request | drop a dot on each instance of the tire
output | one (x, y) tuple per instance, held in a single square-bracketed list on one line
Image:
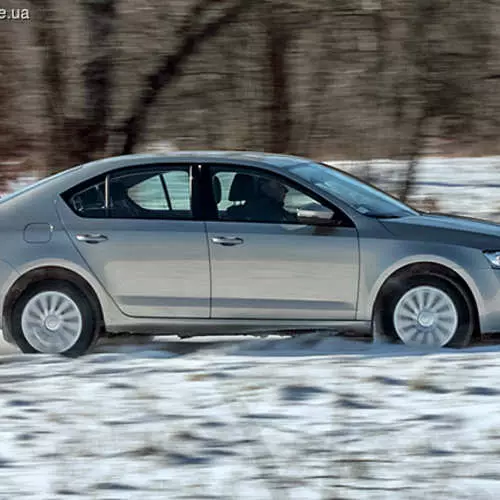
[(428, 311), (71, 330)]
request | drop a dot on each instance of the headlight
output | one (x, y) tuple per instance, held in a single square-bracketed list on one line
[(493, 257)]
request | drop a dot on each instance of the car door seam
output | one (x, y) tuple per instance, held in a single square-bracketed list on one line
[(209, 270)]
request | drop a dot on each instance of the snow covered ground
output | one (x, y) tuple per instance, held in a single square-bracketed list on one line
[(310, 417)]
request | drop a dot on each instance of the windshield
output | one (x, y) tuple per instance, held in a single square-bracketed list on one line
[(363, 197)]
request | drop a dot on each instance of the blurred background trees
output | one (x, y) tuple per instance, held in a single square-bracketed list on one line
[(331, 79)]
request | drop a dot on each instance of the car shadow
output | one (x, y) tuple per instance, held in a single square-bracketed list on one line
[(300, 345)]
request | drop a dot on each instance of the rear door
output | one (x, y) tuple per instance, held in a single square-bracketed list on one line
[(143, 244)]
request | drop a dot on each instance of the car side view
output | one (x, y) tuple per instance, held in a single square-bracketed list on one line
[(235, 242)]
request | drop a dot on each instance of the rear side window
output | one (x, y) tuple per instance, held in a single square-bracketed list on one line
[(158, 194), (139, 193), (90, 201), (179, 189), (149, 194)]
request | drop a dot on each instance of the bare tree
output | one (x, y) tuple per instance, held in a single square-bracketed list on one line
[(75, 140), (331, 79), (192, 35)]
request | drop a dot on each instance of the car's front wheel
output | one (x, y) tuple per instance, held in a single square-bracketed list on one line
[(429, 311), (54, 317)]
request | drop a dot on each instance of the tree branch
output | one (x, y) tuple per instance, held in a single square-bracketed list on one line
[(170, 66)]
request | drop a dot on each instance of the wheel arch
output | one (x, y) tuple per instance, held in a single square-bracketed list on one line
[(398, 276), (40, 274)]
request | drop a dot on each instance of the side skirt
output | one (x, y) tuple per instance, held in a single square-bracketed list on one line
[(195, 327)]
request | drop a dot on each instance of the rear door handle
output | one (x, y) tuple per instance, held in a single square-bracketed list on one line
[(91, 238), (227, 241)]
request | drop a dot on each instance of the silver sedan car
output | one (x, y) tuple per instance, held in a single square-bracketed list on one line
[(235, 242)]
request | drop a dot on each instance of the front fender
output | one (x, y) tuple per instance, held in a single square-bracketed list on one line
[(366, 304)]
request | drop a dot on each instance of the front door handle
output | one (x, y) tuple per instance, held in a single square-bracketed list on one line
[(227, 241), (91, 238)]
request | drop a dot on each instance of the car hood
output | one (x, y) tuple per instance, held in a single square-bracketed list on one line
[(453, 230)]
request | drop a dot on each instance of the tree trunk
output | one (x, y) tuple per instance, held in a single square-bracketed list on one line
[(380, 24), (422, 56), (100, 16), (417, 144), (304, 138), (46, 34), (277, 48), (76, 140)]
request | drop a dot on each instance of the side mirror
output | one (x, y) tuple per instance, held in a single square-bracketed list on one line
[(315, 214)]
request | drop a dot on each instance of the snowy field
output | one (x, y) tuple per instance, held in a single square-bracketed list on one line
[(312, 417)]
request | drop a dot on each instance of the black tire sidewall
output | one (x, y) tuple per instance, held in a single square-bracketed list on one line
[(465, 328), (89, 333)]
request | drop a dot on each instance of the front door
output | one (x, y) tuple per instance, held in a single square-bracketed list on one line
[(266, 264), (144, 247)]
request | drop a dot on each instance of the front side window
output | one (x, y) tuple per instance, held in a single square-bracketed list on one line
[(243, 195), (137, 193)]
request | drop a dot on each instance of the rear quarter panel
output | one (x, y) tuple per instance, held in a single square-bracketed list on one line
[(21, 256)]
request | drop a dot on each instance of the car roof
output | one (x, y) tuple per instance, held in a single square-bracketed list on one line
[(245, 157)]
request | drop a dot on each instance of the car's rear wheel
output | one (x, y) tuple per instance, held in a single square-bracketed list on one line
[(428, 311), (54, 317)]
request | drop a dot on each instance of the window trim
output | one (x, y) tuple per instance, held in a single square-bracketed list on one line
[(156, 168), (206, 186)]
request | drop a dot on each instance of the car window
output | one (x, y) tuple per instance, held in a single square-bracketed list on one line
[(225, 179), (178, 188), (154, 194), (247, 196), (149, 194), (296, 200), (90, 201), (135, 193)]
